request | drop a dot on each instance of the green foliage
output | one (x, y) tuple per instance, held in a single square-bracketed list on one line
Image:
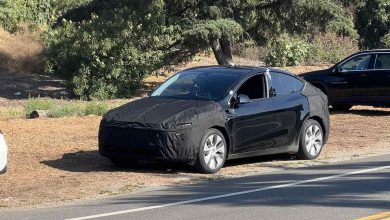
[(385, 41), (71, 110), (297, 18), (63, 108), (34, 104), (330, 48), (109, 55), (33, 12), (14, 12), (214, 29), (104, 48), (373, 23), (95, 108), (324, 48), (286, 51)]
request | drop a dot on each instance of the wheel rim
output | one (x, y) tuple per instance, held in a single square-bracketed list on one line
[(313, 140), (214, 151)]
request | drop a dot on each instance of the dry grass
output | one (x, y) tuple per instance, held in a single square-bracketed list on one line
[(21, 52)]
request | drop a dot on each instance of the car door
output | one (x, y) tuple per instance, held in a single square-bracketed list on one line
[(290, 107), (378, 81), (350, 84), (251, 122)]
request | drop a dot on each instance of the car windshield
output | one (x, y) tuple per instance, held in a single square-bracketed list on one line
[(210, 84)]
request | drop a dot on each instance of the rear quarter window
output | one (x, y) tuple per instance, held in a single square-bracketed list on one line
[(382, 61), (283, 84)]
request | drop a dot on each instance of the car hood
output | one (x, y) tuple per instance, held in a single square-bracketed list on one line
[(161, 113)]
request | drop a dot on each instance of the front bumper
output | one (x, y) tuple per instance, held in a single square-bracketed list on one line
[(143, 143)]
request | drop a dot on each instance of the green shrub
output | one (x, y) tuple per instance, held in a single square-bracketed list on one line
[(63, 108), (33, 12), (70, 109), (286, 51), (95, 108), (34, 104), (109, 55), (385, 41), (14, 12), (330, 48)]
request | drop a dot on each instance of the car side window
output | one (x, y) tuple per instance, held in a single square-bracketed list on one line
[(254, 87), (283, 84), (360, 62), (382, 61)]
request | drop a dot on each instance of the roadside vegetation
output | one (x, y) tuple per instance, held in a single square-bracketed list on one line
[(58, 108), (61, 108), (104, 49), (109, 52)]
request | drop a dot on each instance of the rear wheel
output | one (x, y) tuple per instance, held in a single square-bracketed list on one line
[(212, 152), (341, 107), (311, 140)]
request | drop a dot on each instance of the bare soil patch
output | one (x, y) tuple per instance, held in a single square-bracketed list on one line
[(56, 160)]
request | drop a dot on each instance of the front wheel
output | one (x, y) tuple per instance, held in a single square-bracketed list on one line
[(212, 152), (311, 140)]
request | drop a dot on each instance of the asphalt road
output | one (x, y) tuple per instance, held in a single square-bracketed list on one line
[(346, 190)]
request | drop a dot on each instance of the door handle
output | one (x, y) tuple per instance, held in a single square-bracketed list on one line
[(363, 74)]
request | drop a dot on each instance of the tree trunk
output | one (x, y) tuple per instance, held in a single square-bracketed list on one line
[(222, 51)]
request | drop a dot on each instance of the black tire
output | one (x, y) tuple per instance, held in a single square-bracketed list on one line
[(4, 170), (341, 107), (123, 162), (201, 163), (303, 152)]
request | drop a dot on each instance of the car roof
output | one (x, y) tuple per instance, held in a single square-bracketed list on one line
[(239, 69), (364, 52), (374, 51)]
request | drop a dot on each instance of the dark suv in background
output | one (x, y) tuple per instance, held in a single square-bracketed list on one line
[(360, 79)]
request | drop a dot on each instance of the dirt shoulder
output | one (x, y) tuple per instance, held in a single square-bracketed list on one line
[(56, 160)]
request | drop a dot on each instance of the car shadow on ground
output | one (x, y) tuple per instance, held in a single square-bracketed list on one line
[(91, 161), (363, 112)]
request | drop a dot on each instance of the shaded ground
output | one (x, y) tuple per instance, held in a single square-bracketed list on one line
[(55, 160), (16, 85)]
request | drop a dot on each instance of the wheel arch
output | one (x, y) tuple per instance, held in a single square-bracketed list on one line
[(226, 136), (321, 86), (321, 122)]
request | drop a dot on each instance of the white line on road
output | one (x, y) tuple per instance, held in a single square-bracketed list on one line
[(229, 194)]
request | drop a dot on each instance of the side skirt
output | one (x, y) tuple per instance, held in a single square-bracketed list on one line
[(279, 150)]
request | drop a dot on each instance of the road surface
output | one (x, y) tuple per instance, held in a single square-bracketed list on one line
[(347, 190)]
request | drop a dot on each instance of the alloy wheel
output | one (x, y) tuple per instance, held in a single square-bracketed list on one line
[(214, 151), (313, 140)]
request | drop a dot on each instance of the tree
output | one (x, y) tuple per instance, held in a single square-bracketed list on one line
[(217, 24), (105, 48), (373, 23)]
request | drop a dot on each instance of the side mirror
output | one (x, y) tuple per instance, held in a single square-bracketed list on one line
[(243, 98), (336, 69)]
